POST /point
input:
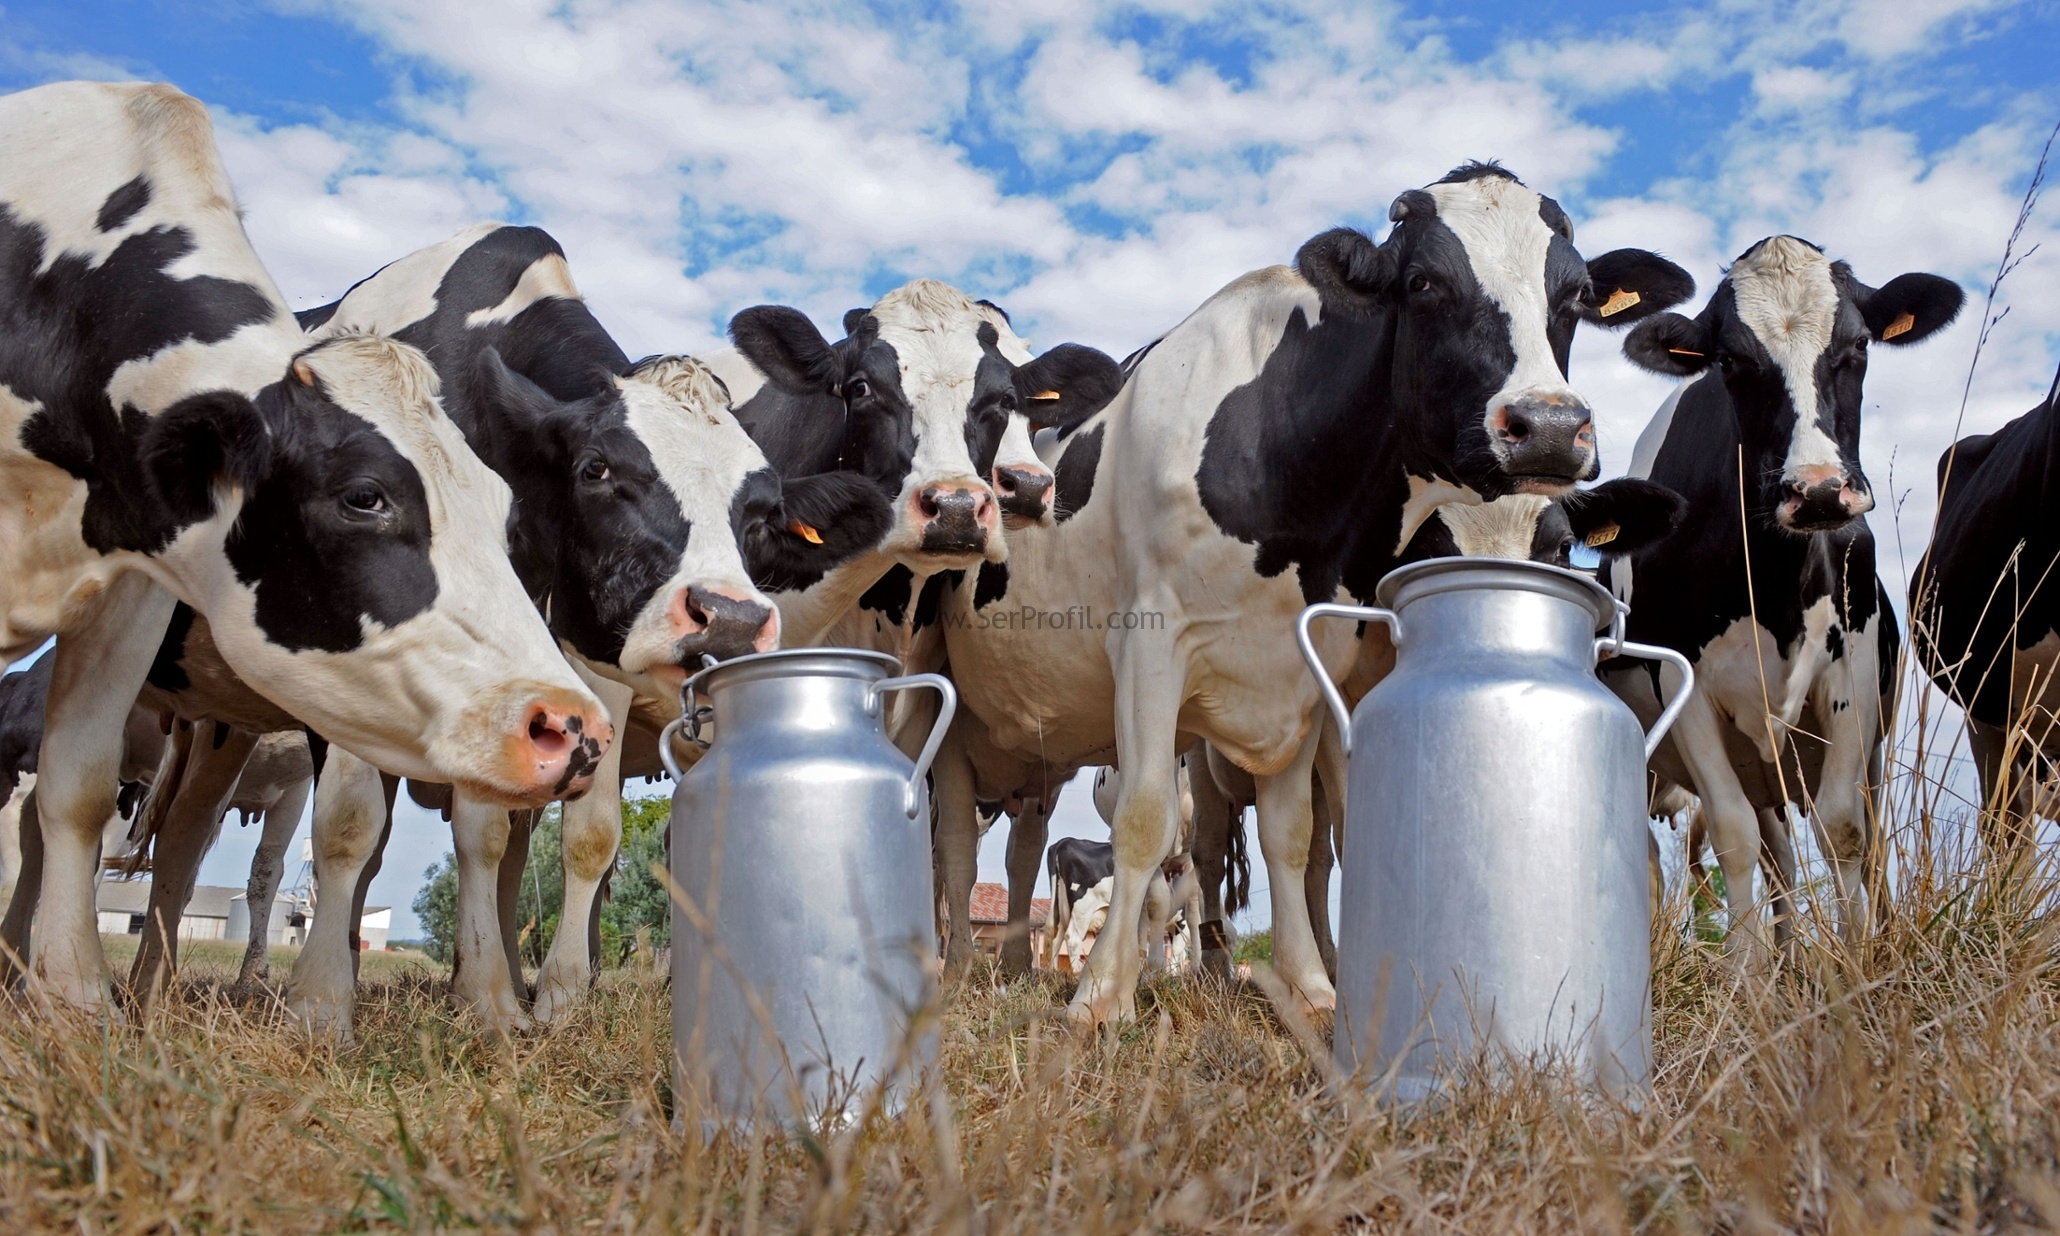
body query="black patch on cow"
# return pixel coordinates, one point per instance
(317, 317)
(848, 513)
(1073, 478)
(66, 329)
(168, 669)
(316, 558)
(123, 204)
(992, 584)
(22, 697)
(890, 595)
(1077, 865)
(928, 602)
(1834, 639)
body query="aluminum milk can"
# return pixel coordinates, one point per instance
(801, 842)
(1495, 897)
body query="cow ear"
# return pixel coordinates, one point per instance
(820, 522)
(1909, 308)
(1669, 343)
(203, 441)
(787, 348)
(852, 317)
(1066, 385)
(1624, 516)
(513, 408)
(1345, 265)
(1630, 284)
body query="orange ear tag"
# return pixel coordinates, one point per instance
(1905, 323)
(1603, 535)
(1618, 301)
(805, 532)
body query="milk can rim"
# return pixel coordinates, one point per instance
(888, 661)
(1416, 578)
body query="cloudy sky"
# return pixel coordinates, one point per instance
(1101, 168)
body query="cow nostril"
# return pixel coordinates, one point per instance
(926, 502)
(547, 736)
(1515, 426)
(1005, 480)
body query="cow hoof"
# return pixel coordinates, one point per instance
(325, 1017)
(554, 1001)
(1096, 1005)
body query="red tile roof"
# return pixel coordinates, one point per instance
(991, 906)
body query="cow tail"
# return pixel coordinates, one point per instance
(1237, 868)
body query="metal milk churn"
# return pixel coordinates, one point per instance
(1495, 898)
(801, 842)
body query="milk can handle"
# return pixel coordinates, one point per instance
(1618, 646)
(1331, 695)
(912, 796)
(665, 737)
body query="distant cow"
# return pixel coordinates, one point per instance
(1986, 609)
(1778, 606)
(171, 434)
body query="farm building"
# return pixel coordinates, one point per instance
(217, 912)
(991, 919)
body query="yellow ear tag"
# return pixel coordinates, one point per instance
(805, 532)
(304, 371)
(1603, 535)
(1905, 323)
(1046, 396)
(1618, 301)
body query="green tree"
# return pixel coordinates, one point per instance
(640, 899)
(1258, 946)
(437, 906)
(542, 893)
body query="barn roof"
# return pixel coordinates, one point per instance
(991, 906)
(133, 897)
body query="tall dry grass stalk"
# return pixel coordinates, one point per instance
(1911, 1085)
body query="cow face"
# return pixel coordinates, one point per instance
(1483, 287)
(648, 513)
(1787, 333)
(1616, 518)
(363, 578)
(930, 381)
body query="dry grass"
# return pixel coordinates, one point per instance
(1916, 1087)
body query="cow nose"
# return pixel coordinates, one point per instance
(1823, 499)
(1025, 495)
(1549, 440)
(955, 518)
(562, 742)
(712, 621)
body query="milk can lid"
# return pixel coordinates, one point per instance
(1421, 579)
(857, 661)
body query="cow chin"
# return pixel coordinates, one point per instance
(525, 745)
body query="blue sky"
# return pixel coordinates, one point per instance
(1101, 168)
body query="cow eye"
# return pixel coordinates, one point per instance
(857, 388)
(1419, 282)
(594, 470)
(365, 498)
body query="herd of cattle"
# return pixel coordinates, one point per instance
(445, 530)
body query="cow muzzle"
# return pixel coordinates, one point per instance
(1545, 443)
(1025, 493)
(955, 519)
(1822, 499)
(716, 622)
(556, 748)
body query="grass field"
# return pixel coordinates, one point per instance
(1914, 1087)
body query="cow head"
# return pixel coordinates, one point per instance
(1616, 518)
(1483, 288)
(356, 570)
(930, 382)
(1788, 332)
(648, 514)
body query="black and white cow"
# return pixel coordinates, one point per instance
(1770, 588)
(644, 516)
(1986, 612)
(1282, 446)
(1077, 867)
(169, 433)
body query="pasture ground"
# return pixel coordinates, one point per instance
(1912, 1087)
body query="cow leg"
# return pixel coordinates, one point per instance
(1158, 911)
(1734, 827)
(267, 868)
(958, 845)
(508, 875)
(2006, 821)
(28, 888)
(1316, 880)
(592, 833)
(101, 663)
(186, 833)
(1777, 843)
(1147, 823)
(11, 837)
(1286, 827)
(352, 806)
(1214, 818)
(389, 786)
(1843, 806)
(1027, 831)
(1058, 924)
(481, 979)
